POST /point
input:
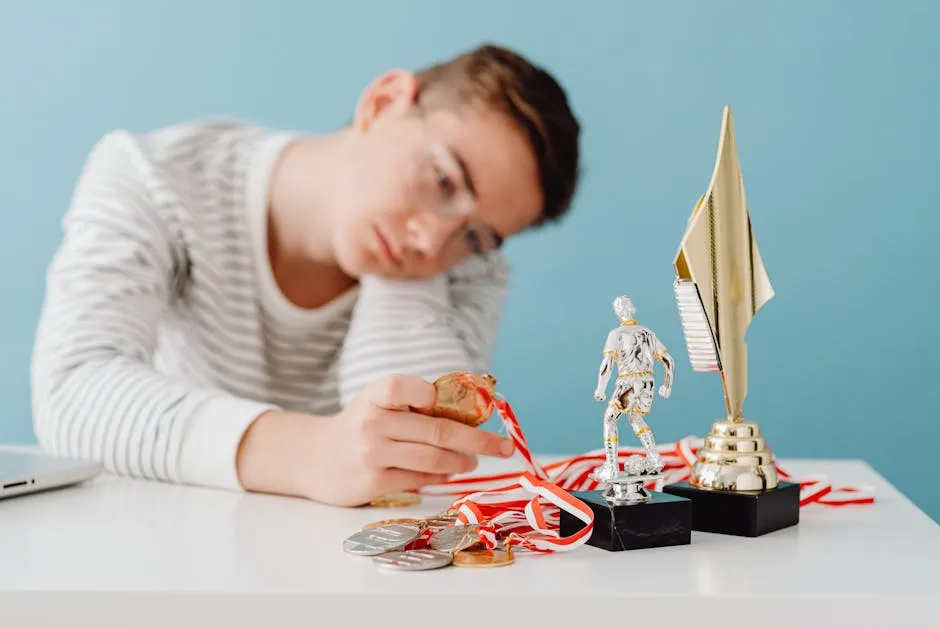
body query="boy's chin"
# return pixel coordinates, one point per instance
(359, 266)
(354, 261)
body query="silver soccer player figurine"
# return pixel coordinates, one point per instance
(634, 349)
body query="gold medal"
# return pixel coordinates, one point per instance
(420, 524)
(466, 397)
(396, 499)
(483, 558)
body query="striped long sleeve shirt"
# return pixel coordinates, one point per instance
(163, 334)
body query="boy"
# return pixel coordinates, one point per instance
(246, 309)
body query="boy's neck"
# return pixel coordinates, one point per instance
(299, 222)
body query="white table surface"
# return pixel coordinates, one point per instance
(127, 552)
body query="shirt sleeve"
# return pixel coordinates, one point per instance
(424, 327)
(95, 394)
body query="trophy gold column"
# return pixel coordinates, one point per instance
(721, 284)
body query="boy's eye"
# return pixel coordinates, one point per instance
(473, 239)
(444, 183)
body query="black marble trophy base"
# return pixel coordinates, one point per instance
(749, 514)
(664, 520)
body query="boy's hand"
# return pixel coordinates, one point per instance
(376, 445)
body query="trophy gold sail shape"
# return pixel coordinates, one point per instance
(720, 285)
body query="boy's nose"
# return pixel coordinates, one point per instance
(428, 233)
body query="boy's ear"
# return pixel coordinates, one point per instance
(393, 92)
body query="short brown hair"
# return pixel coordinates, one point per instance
(500, 78)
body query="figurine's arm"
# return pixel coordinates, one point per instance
(669, 365)
(607, 366)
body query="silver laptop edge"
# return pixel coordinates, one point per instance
(27, 472)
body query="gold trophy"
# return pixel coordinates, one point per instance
(720, 285)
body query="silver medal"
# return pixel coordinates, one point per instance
(455, 538)
(378, 540)
(418, 559)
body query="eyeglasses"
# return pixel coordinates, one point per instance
(442, 187)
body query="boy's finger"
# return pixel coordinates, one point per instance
(401, 392)
(446, 434)
(399, 480)
(424, 458)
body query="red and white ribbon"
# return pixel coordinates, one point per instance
(514, 431)
(523, 507)
(526, 515)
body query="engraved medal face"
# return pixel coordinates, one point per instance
(378, 540)
(437, 524)
(455, 538)
(419, 559)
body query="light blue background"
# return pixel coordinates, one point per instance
(835, 108)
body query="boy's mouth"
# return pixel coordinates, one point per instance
(389, 252)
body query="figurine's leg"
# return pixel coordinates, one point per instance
(611, 434)
(654, 462)
(611, 466)
(643, 401)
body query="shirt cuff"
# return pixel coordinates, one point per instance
(210, 449)
(434, 288)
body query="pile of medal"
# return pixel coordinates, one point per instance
(409, 544)
(435, 541)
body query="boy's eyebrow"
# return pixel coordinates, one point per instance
(465, 172)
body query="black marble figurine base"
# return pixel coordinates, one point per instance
(749, 514)
(664, 520)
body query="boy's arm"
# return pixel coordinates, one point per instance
(424, 327)
(94, 392)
